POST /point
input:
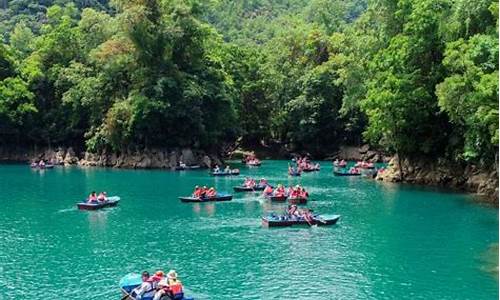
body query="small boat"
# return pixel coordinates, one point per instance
(283, 221)
(297, 200)
(218, 197)
(242, 188)
(364, 165)
(345, 174)
(133, 280)
(222, 173)
(311, 170)
(37, 166)
(253, 163)
(280, 198)
(183, 168)
(111, 201)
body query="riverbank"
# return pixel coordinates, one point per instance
(443, 173)
(135, 159)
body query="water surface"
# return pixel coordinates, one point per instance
(392, 242)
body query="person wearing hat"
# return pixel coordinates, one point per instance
(170, 286)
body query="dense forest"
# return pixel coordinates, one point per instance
(413, 77)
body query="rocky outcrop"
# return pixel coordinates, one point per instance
(444, 173)
(144, 159)
(363, 153)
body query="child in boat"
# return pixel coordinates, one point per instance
(92, 197)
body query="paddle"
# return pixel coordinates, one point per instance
(127, 295)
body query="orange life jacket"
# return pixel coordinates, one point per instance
(176, 288)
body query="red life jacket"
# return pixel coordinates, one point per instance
(176, 288)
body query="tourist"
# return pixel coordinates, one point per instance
(41, 164)
(170, 286)
(102, 197)
(227, 169)
(92, 197)
(203, 192)
(149, 285)
(268, 190)
(197, 191)
(211, 192)
(216, 169)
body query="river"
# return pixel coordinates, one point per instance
(392, 241)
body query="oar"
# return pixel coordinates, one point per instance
(127, 295)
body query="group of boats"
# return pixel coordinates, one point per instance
(358, 169)
(292, 196)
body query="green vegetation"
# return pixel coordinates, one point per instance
(412, 77)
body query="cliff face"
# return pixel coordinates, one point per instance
(444, 173)
(149, 158)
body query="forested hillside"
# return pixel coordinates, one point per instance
(414, 77)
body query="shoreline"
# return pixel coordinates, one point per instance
(482, 184)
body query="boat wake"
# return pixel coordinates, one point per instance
(66, 210)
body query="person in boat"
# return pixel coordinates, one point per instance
(92, 197)
(197, 191)
(170, 286)
(148, 285)
(102, 197)
(227, 169)
(41, 164)
(263, 182)
(303, 193)
(216, 169)
(203, 192)
(181, 164)
(293, 211)
(211, 192)
(280, 191)
(268, 190)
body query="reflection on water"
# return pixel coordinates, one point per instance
(489, 260)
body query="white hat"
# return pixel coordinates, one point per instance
(172, 274)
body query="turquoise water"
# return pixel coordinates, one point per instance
(392, 241)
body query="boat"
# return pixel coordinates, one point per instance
(131, 281)
(253, 163)
(37, 166)
(111, 201)
(345, 174)
(311, 170)
(234, 172)
(281, 198)
(183, 168)
(273, 220)
(242, 188)
(364, 165)
(297, 200)
(218, 197)
(340, 165)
